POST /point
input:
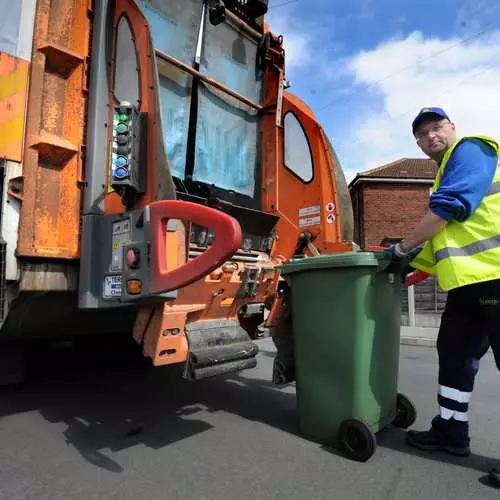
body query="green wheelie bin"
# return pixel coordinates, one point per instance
(346, 336)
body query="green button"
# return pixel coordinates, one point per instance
(121, 128)
(123, 118)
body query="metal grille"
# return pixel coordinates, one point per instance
(429, 298)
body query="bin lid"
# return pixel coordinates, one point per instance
(336, 260)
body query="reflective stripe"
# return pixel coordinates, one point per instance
(454, 394)
(494, 189)
(461, 417)
(468, 250)
(447, 414)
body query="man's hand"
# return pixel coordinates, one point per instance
(400, 258)
(398, 250)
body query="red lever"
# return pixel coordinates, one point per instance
(227, 241)
(415, 277)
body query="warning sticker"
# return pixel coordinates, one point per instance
(112, 288)
(310, 221)
(121, 237)
(306, 211)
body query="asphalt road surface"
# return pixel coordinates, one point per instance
(100, 423)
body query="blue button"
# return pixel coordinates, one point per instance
(120, 161)
(120, 173)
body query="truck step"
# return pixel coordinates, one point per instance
(218, 347)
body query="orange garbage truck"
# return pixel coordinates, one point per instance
(156, 172)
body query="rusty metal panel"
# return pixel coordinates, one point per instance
(13, 88)
(52, 163)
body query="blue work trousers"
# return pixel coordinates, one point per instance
(470, 325)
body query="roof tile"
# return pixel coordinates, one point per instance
(406, 168)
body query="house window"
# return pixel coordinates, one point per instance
(298, 156)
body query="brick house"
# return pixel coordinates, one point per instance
(388, 202)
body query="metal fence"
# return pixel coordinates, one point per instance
(422, 304)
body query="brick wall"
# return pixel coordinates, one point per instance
(389, 210)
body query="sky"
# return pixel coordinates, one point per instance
(366, 68)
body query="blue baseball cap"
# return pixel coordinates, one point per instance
(425, 112)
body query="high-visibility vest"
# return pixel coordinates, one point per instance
(467, 252)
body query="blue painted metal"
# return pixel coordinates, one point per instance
(175, 26)
(229, 57)
(226, 144)
(175, 99)
(227, 133)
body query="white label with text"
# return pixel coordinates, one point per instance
(306, 211)
(310, 221)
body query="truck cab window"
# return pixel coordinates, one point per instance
(298, 156)
(126, 67)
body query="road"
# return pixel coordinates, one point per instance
(102, 424)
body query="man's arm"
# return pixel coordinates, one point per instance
(428, 227)
(465, 182)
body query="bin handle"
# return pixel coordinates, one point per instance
(415, 277)
(226, 229)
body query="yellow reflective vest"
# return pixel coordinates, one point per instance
(467, 252)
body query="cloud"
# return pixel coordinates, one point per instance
(401, 76)
(296, 38)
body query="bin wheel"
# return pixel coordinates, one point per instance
(356, 440)
(406, 412)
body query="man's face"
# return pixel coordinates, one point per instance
(434, 136)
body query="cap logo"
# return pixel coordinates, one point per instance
(425, 110)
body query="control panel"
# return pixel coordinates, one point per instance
(127, 166)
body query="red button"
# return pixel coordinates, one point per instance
(133, 258)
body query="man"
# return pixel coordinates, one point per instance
(461, 232)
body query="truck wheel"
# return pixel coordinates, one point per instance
(406, 412)
(356, 440)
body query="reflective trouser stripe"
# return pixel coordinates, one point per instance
(447, 414)
(453, 403)
(468, 250)
(454, 394)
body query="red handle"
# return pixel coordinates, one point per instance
(227, 241)
(415, 277)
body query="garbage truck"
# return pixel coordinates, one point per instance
(156, 173)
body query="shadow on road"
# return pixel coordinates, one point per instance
(110, 398)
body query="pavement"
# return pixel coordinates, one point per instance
(419, 336)
(104, 424)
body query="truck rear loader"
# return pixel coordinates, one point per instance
(156, 172)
